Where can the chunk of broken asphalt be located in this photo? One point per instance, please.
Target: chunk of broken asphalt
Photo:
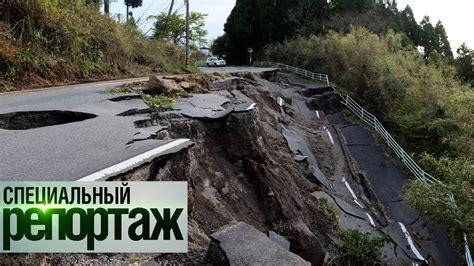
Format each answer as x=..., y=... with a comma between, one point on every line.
x=279, y=240
x=242, y=244
x=299, y=147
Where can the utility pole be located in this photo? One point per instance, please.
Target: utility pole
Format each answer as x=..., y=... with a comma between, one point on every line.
x=126, y=15
x=107, y=6
x=187, y=32
x=169, y=16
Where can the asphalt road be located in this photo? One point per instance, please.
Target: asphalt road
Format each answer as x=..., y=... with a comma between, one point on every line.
x=73, y=150
x=388, y=183
x=235, y=69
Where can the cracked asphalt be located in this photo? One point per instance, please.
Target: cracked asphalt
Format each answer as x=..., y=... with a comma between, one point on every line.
x=414, y=239
x=72, y=151
x=387, y=181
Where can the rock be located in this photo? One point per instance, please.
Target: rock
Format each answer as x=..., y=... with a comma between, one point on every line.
x=285, y=244
x=187, y=86
x=242, y=244
x=158, y=85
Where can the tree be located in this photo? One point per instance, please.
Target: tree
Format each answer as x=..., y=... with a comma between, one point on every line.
x=219, y=46
x=429, y=39
x=345, y=6
x=410, y=26
x=173, y=28
x=444, y=48
x=255, y=24
x=309, y=16
x=132, y=4
x=434, y=40
x=465, y=64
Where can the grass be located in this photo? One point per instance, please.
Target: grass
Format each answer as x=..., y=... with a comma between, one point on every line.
x=330, y=210
x=160, y=101
x=120, y=90
x=5, y=86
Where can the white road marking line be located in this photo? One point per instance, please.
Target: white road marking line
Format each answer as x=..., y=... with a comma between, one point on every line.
x=410, y=242
x=251, y=107
x=352, y=192
x=358, y=203
x=317, y=113
x=349, y=188
x=329, y=134
x=370, y=219
x=280, y=101
x=135, y=161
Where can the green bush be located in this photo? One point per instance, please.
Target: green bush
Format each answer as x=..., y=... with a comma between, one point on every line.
x=359, y=249
x=433, y=202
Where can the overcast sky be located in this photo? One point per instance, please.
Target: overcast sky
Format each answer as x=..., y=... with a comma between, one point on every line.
x=456, y=15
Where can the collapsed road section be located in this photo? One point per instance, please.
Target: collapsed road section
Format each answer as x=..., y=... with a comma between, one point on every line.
x=269, y=169
x=272, y=168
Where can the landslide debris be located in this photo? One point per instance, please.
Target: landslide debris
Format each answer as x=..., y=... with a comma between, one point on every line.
x=240, y=169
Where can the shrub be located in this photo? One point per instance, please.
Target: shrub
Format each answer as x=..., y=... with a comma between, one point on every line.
x=359, y=249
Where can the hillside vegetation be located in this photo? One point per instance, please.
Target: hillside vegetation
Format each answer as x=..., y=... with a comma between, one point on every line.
x=429, y=111
x=45, y=42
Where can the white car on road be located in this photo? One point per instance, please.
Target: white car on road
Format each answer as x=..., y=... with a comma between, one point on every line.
x=215, y=61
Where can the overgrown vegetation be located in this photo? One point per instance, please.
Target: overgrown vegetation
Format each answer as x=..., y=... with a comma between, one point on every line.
x=55, y=41
x=359, y=249
x=421, y=101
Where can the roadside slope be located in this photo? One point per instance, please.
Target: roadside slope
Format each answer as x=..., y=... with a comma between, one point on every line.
x=46, y=43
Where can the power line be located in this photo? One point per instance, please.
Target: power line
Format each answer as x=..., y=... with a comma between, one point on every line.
x=148, y=8
x=181, y=6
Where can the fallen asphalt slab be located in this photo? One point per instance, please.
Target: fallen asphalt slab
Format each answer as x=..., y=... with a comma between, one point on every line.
x=242, y=244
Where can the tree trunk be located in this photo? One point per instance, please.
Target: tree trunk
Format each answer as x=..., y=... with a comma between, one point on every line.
x=107, y=6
